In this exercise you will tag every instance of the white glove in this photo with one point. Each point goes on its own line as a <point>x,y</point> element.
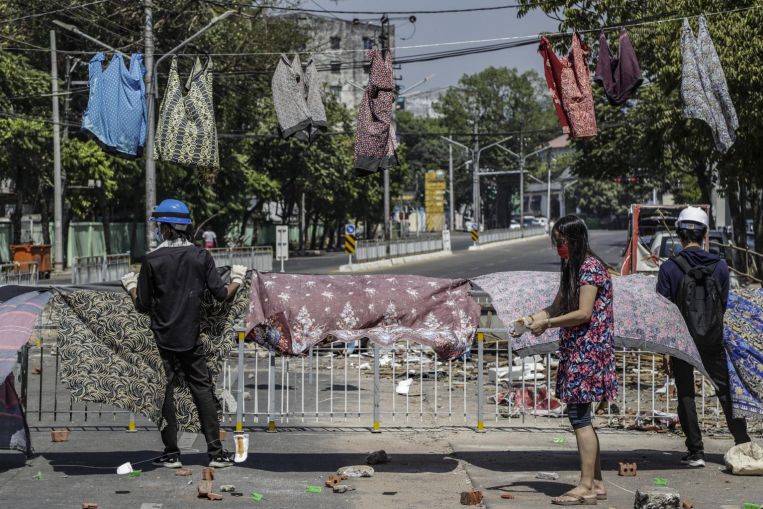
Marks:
<point>237,274</point>
<point>130,281</point>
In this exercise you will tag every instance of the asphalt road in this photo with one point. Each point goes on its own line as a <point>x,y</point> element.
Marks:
<point>528,254</point>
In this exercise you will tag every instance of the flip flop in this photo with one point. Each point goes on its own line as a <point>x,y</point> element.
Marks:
<point>574,500</point>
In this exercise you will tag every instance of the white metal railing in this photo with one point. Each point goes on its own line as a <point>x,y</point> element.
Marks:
<point>26,273</point>
<point>99,269</point>
<point>489,236</point>
<point>259,258</point>
<point>370,250</point>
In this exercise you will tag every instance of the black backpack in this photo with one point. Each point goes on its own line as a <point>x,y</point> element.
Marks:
<point>700,302</point>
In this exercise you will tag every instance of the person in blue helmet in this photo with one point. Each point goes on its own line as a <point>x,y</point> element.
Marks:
<point>169,288</point>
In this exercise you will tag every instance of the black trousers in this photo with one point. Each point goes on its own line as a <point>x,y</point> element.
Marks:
<point>714,359</point>
<point>193,365</point>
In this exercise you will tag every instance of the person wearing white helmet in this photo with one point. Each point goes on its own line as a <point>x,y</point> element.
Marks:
<point>169,288</point>
<point>698,283</point>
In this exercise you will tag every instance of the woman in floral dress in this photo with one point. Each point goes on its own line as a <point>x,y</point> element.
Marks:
<point>582,310</point>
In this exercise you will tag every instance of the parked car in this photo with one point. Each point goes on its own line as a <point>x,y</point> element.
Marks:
<point>514,225</point>
<point>665,245</point>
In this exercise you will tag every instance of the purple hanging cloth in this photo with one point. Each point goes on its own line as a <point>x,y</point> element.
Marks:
<point>620,76</point>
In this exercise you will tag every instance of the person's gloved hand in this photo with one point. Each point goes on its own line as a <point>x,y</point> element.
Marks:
<point>237,274</point>
<point>130,281</point>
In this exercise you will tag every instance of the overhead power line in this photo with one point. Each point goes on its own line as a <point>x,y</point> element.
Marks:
<point>56,11</point>
<point>380,13</point>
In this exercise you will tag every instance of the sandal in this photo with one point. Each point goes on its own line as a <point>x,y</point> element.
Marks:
<point>568,499</point>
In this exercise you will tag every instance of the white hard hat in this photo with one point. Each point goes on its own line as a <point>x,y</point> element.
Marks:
<point>692,218</point>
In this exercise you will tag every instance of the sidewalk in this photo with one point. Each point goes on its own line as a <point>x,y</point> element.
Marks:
<point>428,469</point>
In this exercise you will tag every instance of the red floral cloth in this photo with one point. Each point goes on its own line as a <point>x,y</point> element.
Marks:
<point>569,82</point>
<point>587,370</point>
<point>375,136</point>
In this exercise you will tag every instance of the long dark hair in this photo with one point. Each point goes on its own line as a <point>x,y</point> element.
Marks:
<point>573,230</point>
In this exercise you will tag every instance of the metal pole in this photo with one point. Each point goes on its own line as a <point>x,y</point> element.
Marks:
<point>240,331</point>
<point>450,186</point>
<point>476,178</point>
<point>387,228</point>
<point>521,186</point>
<point>58,207</point>
<point>377,395</point>
<point>481,382</point>
<point>548,203</point>
<point>148,43</point>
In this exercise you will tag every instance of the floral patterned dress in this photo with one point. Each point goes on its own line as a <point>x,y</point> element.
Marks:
<point>586,352</point>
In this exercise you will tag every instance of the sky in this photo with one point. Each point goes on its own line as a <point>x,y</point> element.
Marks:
<point>437,28</point>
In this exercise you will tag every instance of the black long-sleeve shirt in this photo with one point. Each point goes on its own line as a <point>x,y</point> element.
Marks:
<point>170,286</point>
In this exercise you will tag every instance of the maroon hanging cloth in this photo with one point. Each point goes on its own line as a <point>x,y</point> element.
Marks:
<point>620,76</point>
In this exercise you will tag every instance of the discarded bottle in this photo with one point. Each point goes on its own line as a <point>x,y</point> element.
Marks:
<point>38,476</point>
<point>256,497</point>
<point>313,489</point>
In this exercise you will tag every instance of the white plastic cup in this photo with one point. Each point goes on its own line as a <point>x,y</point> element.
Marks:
<point>124,468</point>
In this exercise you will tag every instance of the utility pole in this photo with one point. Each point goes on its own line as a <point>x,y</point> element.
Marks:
<point>451,223</point>
<point>58,206</point>
<point>548,202</point>
<point>385,48</point>
<point>521,185</point>
<point>148,58</point>
<point>476,178</point>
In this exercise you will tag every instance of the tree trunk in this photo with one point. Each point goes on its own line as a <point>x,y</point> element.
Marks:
<point>736,196</point>
<point>324,234</point>
<point>106,219</point>
<point>313,239</point>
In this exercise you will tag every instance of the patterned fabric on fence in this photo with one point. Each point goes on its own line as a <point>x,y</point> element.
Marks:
<point>17,318</point>
<point>643,318</point>
<point>294,312</point>
<point>108,354</point>
<point>14,433</point>
<point>743,337</point>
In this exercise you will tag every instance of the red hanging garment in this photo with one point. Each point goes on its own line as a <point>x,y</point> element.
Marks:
<point>569,82</point>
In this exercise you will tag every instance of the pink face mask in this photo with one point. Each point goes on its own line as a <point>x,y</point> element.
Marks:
<point>563,250</point>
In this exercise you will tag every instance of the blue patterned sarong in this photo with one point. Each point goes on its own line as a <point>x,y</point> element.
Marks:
<point>743,335</point>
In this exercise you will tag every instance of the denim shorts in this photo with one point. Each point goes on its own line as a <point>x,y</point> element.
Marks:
<point>579,414</point>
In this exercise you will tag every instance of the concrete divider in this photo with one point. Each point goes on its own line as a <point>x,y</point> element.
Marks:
<point>495,238</point>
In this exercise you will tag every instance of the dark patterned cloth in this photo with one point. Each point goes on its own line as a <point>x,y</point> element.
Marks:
<point>108,353</point>
<point>375,135</point>
<point>294,312</point>
<point>743,339</point>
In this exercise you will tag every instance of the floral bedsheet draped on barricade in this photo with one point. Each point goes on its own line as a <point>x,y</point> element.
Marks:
<point>293,312</point>
<point>108,354</point>
<point>744,343</point>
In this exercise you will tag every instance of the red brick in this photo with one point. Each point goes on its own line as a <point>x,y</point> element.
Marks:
<point>183,472</point>
<point>507,496</point>
<point>687,504</point>
<point>333,479</point>
<point>59,435</point>
<point>214,496</point>
<point>473,497</point>
<point>208,474</point>
<point>627,470</point>
<point>89,505</point>
<point>204,488</point>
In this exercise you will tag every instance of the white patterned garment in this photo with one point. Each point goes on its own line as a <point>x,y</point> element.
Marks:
<point>297,99</point>
<point>703,85</point>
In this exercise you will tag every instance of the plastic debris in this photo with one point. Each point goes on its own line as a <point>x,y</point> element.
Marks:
<point>311,488</point>
<point>256,497</point>
<point>136,473</point>
<point>377,457</point>
<point>342,488</point>
<point>227,488</point>
<point>404,386</point>
<point>124,468</point>
<point>748,505</point>
<point>660,481</point>
<point>356,471</point>
<point>560,440</point>
<point>548,476</point>
<point>38,476</point>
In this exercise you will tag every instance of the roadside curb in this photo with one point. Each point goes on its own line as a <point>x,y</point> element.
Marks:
<point>500,243</point>
<point>390,262</point>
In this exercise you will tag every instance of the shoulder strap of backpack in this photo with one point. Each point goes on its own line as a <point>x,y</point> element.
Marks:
<point>682,263</point>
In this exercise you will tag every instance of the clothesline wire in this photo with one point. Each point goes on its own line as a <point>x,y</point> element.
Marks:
<point>56,11</point>
<point>519,40</point>
<point>380,13</point>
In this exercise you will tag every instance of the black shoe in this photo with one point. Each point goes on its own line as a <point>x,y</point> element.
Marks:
<point>168,461</point>
<point>696,459</point>
<point>222,460</point>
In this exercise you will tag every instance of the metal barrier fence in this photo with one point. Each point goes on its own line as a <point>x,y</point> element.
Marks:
<point>370,250</point>
<point>99,269</point>
<point>258,258</point>
<point>26,273</point>
<point>488,236</point>
<point>370,387</point>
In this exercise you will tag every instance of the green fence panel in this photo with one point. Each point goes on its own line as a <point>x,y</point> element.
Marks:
<point>6,238</point>
<point>85,239</point>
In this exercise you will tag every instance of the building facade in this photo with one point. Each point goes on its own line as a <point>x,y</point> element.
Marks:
<point>341,48</point>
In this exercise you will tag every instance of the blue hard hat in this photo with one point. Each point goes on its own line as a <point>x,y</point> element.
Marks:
<point>171,212</point>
